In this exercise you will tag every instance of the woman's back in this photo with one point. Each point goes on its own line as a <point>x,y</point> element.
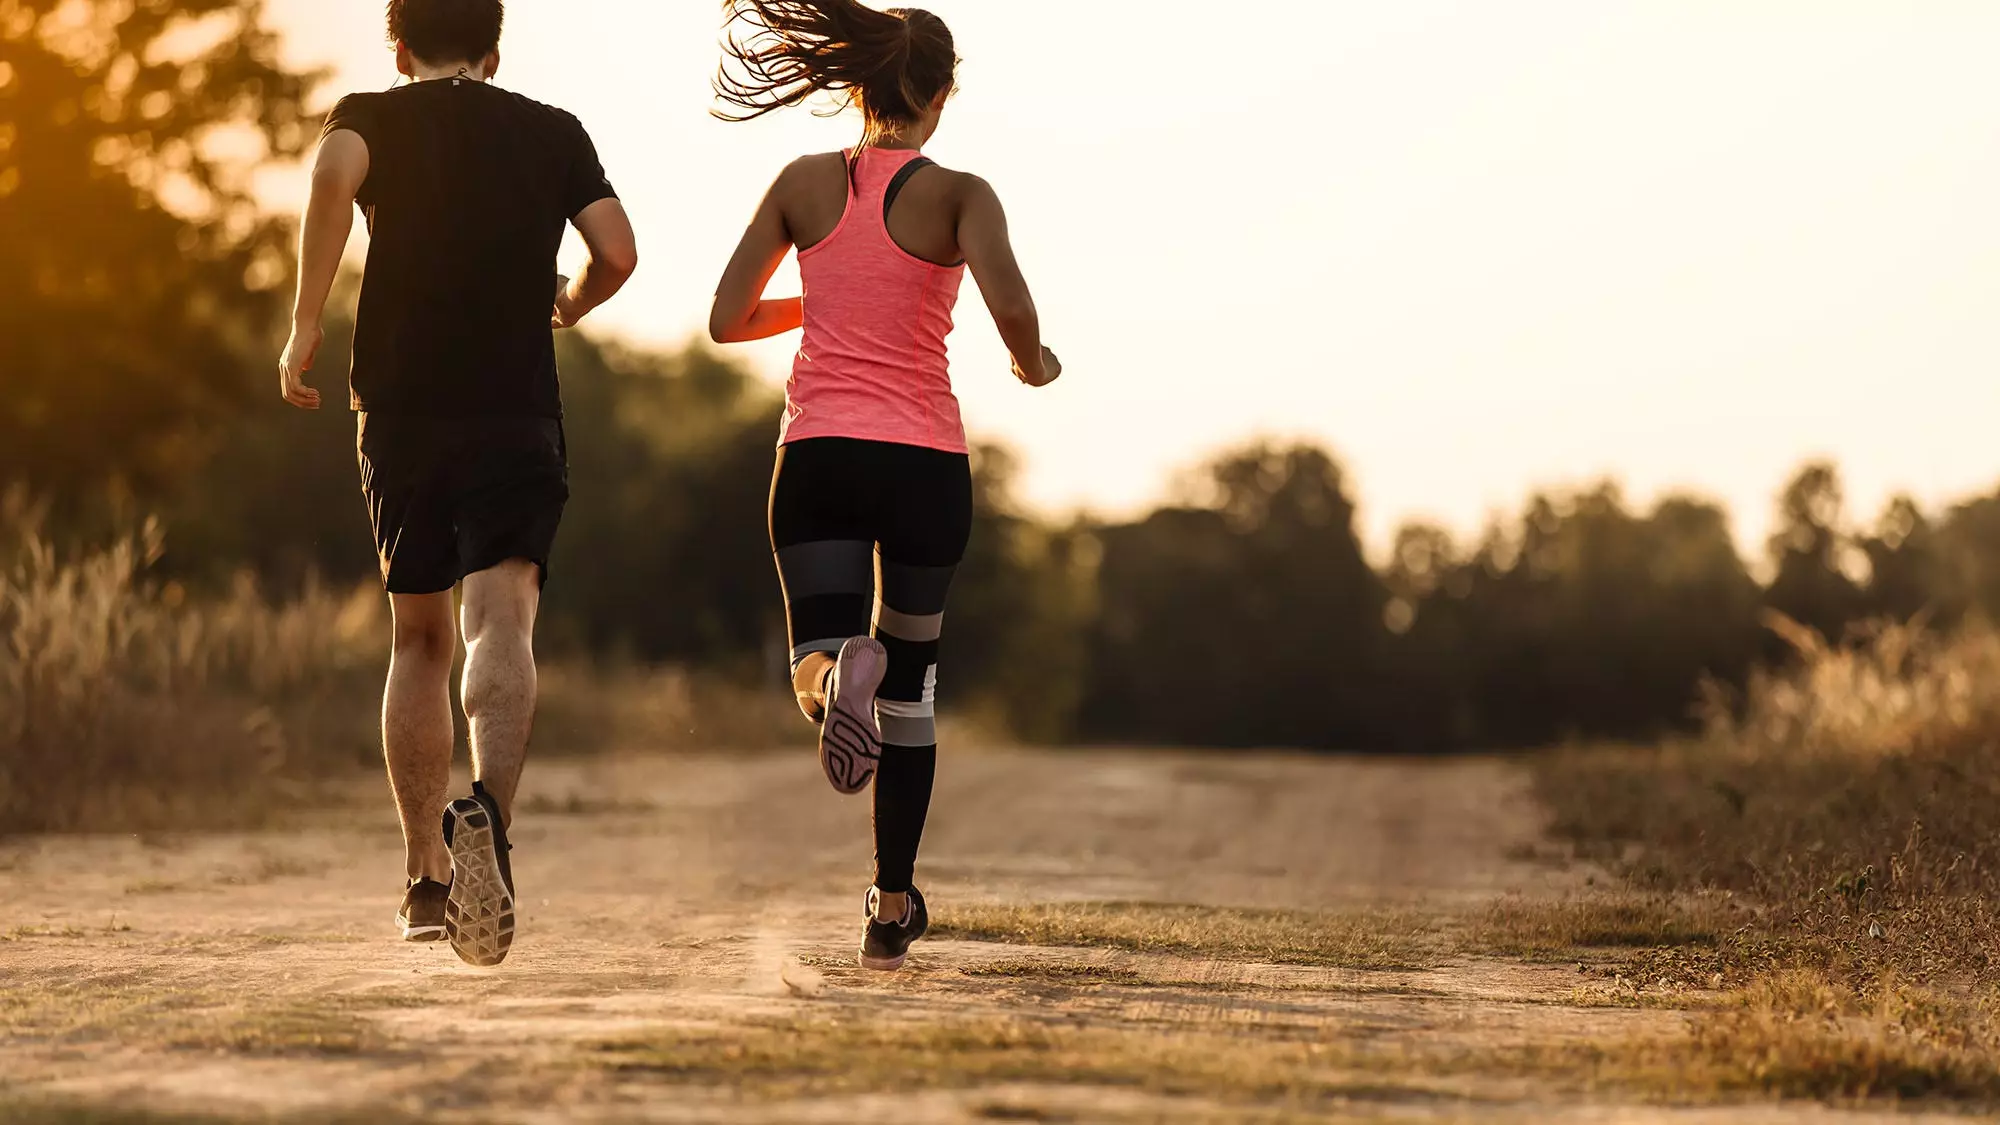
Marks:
<point>882,276</point>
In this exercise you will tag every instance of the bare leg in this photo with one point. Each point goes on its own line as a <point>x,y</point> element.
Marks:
<point>417,727</point>
<point>500,685</point>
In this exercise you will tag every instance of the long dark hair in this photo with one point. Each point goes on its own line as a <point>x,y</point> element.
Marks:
<point>891,64</point>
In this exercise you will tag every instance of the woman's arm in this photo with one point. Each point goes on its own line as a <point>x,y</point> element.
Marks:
<point>989,252</point>
<point>741,313</point>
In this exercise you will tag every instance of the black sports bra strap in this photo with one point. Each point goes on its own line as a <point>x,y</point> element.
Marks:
<point>902,181</point>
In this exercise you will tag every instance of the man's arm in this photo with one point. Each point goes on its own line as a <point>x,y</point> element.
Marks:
<point>337,175</point>
<point>740,312</point>
<point>614,257</point>
<point>989,253</point>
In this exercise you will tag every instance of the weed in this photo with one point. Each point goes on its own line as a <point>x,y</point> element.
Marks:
<point>1359,941</point>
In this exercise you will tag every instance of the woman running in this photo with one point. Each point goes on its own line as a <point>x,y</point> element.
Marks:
<point>873,476</point>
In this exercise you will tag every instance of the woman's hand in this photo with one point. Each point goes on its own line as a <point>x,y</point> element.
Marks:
<point>1051,370</point>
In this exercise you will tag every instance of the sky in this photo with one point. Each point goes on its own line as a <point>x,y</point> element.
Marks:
<point>1474,248</point>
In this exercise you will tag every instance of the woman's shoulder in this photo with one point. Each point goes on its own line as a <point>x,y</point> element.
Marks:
<point>960,185</point>
<point>809,177</point>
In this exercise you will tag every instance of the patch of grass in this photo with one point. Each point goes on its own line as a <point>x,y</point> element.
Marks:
<point>1796,1034</point>
<point>90,1009</point>
<point>1357,941</point>
<point>51,1113</point>
<point>822,1057</point>
<point>288,1029</point>
<point>54,1112</point>
<point>1523,927</point>
<point>589,707</point>
<point>20,933</point>
<point>132,705</point>
<point>133,1011</point>
<point>111,926</point>
<point>307,939</point>
<point>1845,808</point>
<point>1063,972</point>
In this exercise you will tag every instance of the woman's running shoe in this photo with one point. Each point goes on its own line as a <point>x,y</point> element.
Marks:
<point>850,741</point>
<point>886,945</point>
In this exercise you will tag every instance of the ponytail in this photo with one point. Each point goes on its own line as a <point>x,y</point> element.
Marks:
<point>892,64</point>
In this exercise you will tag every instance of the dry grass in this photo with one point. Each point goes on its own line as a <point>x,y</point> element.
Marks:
<point>296,1029</point>
<point>591,707</point>
<point>1540,928</point>
<point>1062,972</point>
<point>133,1013</point>
<point>1795,1034</point>
<point>1844,813</point>
<point>1356,941</point>
<point>41,1112</point>
<point>51,1113</point>
<point>125,704</point>
<point>848,1056</point>
<point>1793,1037</point>
<point>130,704</point>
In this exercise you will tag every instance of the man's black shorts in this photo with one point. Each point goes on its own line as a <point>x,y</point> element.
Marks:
<point>454,496</point>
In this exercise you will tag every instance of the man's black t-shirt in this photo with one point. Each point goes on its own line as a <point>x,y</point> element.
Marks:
<point>468,192</point>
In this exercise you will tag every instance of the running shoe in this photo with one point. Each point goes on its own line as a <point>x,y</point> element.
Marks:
<point>850,741</point>
<point>479,914</point>
<point>886,945</point>
<point>422,915</point>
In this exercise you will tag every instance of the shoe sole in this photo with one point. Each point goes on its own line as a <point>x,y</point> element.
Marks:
<point>850,744</point>
<point>479,915</point>
<point>423,933</point>
<point>884,964</point>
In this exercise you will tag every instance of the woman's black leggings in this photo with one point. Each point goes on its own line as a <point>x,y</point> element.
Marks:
<point>868,535</point>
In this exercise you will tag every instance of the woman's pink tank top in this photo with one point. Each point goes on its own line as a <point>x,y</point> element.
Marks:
<point>872,364</point>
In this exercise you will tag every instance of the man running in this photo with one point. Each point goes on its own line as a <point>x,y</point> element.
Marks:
<point>467,189</point>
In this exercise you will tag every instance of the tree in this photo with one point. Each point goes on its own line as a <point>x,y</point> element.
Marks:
<point>1907,575</point>
<point>1586,619</point>
<point>1017,635</point>
<point>136,274</point>
<point>1968,543</point>
<point>1813,554</point>
<point>664,552</point>
<point>1247,615</point>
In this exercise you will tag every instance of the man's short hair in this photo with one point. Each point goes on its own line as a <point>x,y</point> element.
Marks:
<point>447,31</point>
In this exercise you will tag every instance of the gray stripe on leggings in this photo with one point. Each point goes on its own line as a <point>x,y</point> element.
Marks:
<point>917,590</point>
<point>830,566</point>
<point>908,733</point>
<point>912,627</point>
<point>829,645</point>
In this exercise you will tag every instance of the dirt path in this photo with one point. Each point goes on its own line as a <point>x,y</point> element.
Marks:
<point>687,932</point>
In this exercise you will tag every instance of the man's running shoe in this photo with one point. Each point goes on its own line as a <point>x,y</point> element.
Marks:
<point>886,945</point>
<point>422,915</point>
<point>850,741</point>
<point>479,914</point>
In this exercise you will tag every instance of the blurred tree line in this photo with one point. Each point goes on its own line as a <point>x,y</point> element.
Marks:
<point>140,293</point>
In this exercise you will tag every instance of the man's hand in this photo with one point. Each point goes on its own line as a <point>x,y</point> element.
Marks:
<point>568,312</point>
<point>1051,370</point>
<point>298,359</point>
